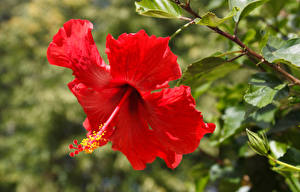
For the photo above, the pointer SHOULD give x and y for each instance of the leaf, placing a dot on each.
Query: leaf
(290, 120)
(210, 19)
(245, 7)
(278, 50)
(278, 149)
(263, 117)
(292, 156)
(158, 8)
(249, 36)
(263, 89)
(233, 118)
(207, 70)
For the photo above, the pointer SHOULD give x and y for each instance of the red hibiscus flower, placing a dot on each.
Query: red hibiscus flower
(119, 101)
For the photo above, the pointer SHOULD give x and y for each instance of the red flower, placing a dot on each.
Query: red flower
(118, 98)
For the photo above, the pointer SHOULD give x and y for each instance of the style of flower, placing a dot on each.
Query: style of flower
(119, 101)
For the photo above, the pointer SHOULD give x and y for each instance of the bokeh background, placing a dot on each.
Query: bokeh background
(39, 116)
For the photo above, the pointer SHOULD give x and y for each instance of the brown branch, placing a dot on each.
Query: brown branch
(249, 52)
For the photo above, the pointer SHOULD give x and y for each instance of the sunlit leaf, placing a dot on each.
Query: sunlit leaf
(278, 149)
(245, 7)
(263, 89)
(278, 50)
(158, 8)
(207, 69)
(210, 19)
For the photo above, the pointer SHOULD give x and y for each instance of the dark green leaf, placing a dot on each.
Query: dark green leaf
(245, 7)
(158, 8)
(292, 119)
(210, 19)
(263, 89)
(292, 156)
(264, 117)
(278, 50)
(207, 69)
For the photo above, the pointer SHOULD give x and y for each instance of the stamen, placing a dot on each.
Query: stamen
(96, 139)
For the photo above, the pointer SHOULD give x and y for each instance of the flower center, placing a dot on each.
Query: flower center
(96, 139)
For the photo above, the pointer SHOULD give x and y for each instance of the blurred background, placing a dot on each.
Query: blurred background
(39, 116)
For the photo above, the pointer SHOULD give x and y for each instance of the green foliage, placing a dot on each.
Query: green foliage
(158, 8)
(210, 19)
(278, 50)
(263, 89)
(206, 70)
(233, 118)
(245, 7)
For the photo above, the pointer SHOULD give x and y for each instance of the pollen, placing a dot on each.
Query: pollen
(90, 143)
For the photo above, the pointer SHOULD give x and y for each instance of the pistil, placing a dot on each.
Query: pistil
(94, 140)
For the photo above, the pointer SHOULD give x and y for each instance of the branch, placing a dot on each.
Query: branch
(249, 52)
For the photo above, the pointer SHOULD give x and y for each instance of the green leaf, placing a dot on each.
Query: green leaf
(292, 156)
(263, 89)
(278, 50)
(233, 118)
(263, 117)
(278, 149)
(290, 120)
(158, 8)
(210, 19)
(207, 70)
(249, 36)
(245, 7)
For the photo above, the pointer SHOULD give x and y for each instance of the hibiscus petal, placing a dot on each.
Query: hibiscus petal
(174, 119)
(97, 105)
(146, 63)
(136, 141)
(73, 47)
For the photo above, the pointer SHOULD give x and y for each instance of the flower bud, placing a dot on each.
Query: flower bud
(258, 142)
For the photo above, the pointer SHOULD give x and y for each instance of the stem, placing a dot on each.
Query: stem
(249, 52)
(236, 28)
(180, 29)
(284, 164)
(292, 183)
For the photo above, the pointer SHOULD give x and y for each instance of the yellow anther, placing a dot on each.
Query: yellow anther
(92, 141)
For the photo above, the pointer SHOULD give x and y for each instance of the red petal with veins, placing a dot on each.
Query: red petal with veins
(176, 123)
(146, 63)
(73, 47)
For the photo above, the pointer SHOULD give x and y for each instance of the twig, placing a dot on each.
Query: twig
(234, 58)
(235, 39)
(181, 28)
(229, 53)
